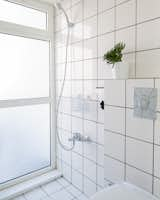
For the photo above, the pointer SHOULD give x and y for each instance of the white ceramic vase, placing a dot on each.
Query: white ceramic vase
(120, 70)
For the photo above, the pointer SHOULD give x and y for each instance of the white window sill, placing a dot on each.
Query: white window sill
(20, 188)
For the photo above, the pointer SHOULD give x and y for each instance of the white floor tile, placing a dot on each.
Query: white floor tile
(63, 182)
(74, 191)
(35, 194)
(48, 198)
(83, 197)
(52, 187)
(19, 198)
(62, 195)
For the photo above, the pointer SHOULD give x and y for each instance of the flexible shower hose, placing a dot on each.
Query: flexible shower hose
(61, 93)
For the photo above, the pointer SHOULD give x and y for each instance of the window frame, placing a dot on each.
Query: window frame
(45, 35)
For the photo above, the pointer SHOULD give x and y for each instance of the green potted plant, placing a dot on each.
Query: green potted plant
(114, 57)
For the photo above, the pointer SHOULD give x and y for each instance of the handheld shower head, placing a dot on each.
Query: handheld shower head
(59, 7)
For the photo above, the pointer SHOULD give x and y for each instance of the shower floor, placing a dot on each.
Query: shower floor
(56, 190)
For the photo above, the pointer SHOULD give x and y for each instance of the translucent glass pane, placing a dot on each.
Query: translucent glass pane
(14, 13)
(24, 140)
(24, 67)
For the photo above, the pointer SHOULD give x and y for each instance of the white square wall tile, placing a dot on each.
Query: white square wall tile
(105, 4)
(90, 69)
(157, 128)
(128, 37)
(77, 125)
(77, 88)
(67, 4)
(100, 134)
(77, 70)
(77, 33)
(90, 48)
(77, 179)
(131, 84)
(77, 12)
(100, 155)
(123, 10)
(77, 162)
(156, 187)
(90, 8)
(157, 161)
(66, 170)
(104, 70)
(90, 129)
(138, 127)
(115, 92)
(77, 51)
(75, 1)
(139, 154)
(119, 1)
(148, 64)
(90, 169)
(90, 91)
(90, 151)
(78, 148)
(130, 59)
(114, 145)
(90, 110)
(147, 9)
(157, 85)
(139, 178)
(106, 21)
(113, 170)
(100, 176)
(89, 187)
(90, 27)
(66, 155)
(145, 32)
(114, 119)
(105, 43)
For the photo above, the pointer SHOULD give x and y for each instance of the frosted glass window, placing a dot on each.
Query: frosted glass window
(24, 140)
(24, 67)
(14, 13)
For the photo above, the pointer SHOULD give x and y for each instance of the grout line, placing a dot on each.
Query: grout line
(71, 103)
(97, 104)
(130, 137)
(153, 167)
(100, 123)
(131, 52)
(125, 141)
(136, 8)
(144, 78)
(127, 164)
(115, 21)
(83, 184)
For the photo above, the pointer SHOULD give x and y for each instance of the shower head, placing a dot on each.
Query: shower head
(59, 7)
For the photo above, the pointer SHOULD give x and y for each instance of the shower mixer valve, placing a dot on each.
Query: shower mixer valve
(79, 138)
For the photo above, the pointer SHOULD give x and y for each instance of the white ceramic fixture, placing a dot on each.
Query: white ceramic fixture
(123, 191)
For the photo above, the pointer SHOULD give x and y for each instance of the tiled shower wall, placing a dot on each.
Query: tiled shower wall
(99, 24)
(132, 144)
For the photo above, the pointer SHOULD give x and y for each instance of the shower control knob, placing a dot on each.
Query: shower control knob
(102, 105)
